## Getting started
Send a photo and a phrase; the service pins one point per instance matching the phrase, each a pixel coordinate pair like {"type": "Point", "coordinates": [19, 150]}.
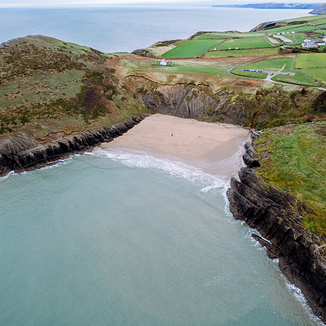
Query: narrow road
{"type": "Point", "coordinates": [269, 76]}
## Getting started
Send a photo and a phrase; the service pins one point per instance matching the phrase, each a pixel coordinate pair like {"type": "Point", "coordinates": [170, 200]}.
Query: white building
{"type": "Point", "coordinates": [163, 62]}
{"type": "Point", "coordinates": [309, 45]}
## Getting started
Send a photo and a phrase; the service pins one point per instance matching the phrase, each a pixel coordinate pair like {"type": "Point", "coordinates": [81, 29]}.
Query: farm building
{"type": "Point", "coordinates": [163, 62]}
{"type": "Point", "coordinates": [309, 45]}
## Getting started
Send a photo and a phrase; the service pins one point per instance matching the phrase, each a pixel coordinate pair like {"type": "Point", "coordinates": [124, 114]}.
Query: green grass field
{"type": "Point", "coordinates": [229, 35]}
{"type": "Point", "coordinates": [271, 64]}
{"type": "Point", "coordinates": [245, 43]}
{"type": "Point", "coordinates": [319, 74]}
{"type": "Point", "coordinates": [191, 49]}
{"type": "Point", "coordinates": [298, 79]}
{"type": "Point", "coordinates": [293, 28]}
{"type": "Point", "coordinates": [298, 165]}
{"type": "Point", "coordinates": [242, 53]}
{"type": "Point", "coordinates": [219, 70]}
{"type": "Point", "coordinates": [311, 60]}
{"type": "Point", "coordinates": [299, 36]}
{"type": "Point", "coordinates": [240, 72]}
{"type": "Point", "coordinates": [275, 65]}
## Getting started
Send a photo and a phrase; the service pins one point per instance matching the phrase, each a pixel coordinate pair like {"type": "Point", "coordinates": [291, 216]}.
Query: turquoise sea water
{"type": "Point", "coordinates": [124, 239]}
{"type": "Point", "coordinates": [130, 28]}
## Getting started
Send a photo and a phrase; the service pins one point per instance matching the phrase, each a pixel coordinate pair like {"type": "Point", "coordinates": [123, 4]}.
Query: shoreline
{"type": "Point", "coordinates": [276, 215]}
{"type": "Point", "coordinates": [214, 148]}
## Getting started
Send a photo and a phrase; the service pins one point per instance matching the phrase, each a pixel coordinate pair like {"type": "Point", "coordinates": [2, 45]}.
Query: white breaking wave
{"type": "Point", "coordinates": [49, 166]}
{"type": "Point", "coordinates": [298, 295]}
{"type": "Point", "coordinates": [174, 168]}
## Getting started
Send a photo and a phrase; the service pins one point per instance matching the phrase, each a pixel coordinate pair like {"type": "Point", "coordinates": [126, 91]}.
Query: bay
{"type": "Point", "coordinates": [126, 239]}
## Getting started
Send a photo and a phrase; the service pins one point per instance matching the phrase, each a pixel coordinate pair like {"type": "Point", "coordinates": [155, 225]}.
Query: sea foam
{"type": "Point", "coordinates": [174, 168]}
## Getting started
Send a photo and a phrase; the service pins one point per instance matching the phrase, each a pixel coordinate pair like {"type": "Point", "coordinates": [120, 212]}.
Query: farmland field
{"type": "Point", "coordinates": [242, 53]}
{"type": "Point", "coordinates": [298, 79]}
{"type": "Point", "coordinates": [297, 29]}
{"type": "Point", "coordinates": [271, 65]}
{"type": "Point", "coordinates": [319, 74]}
{"type": "Point", "coordinates": [311, 60]}
{"type": "Point", "coordinates": [245, 43]}
{"type": "Point", "coordinates": [191, 48]}
{"type": "Point", "coordinates": [228, 35]}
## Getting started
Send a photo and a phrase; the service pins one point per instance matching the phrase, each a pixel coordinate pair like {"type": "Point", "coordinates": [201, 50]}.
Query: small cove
{"type": "Point", "coordinates": [120, 241]}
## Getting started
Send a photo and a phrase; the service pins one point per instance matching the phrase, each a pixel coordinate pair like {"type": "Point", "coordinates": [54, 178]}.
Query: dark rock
{"type": "Point", "coordinates": [276, 215]}
{"type": "Point", "coordinates": [194, 102]}
{"type": "Point", "coordinates": [21, 153]}
{"type": "Point", "coordinates": [272, 252]}
{"type": "Point", "coordinates": [143, 53]}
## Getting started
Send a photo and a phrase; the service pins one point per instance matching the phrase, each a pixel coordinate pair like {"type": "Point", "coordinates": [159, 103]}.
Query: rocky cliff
{"type": "Point", "coordinates": [20, 152]}
{"type": "Point", "coordinates": [193, 101]}
{"type": "Point", "coordinates": [276, 215]}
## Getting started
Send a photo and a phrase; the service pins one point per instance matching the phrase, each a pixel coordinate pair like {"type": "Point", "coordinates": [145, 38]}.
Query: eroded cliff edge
{"type": "Point", "coordinates": [20, 152]}
{"type": "Point", "coordinates": [276, 215]}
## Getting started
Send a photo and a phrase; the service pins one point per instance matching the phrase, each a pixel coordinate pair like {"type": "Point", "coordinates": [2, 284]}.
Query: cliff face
{"type": "Point", "coordinates": [21, 152]}
{"type": "Point", "coordinates": [191, 101]}
{"type": "Point", "coordinates": [276, 215]}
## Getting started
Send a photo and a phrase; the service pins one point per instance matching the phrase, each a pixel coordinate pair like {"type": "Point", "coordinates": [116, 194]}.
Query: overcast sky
{"type": "Point", "coordinates": [77, 3]}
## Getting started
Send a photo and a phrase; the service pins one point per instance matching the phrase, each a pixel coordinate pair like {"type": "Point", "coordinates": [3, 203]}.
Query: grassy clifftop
{"type": "Point", "coordinates": [293, 158]}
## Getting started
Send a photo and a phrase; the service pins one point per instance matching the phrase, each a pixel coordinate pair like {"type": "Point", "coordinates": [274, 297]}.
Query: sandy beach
{"type": "Point", "coordinates": [215, 148]}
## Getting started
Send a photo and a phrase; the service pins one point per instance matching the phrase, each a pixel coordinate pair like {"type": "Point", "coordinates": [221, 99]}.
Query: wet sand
{"type": "Point", "coordinates": [215, 148]}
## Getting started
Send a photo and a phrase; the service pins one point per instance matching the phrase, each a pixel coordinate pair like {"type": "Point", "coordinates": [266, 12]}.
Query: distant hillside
{"type": "Point", "coordinates": [321, 10]}
{"type": "Point", "coordinates": [274, 5]}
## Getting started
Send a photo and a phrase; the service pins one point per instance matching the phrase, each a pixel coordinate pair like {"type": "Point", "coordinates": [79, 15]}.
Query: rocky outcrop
{"type": "Point", "coordinates": [321, 10]}
{"type": "Point", "coordinates": [193, 101]}
{"type": "Point", "coordinates": [143, 53]}
{"type": "Point", "coordinates": [20, 153]}
{"type": "Point", "coordinates": [276, 215]}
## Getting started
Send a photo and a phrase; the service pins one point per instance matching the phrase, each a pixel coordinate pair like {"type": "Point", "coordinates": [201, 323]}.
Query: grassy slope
{"type": "Point", "coordinates": [298, 165]}
{"type": "Point", "coordinates": [48, 86]}
{"type": "Point", "coordinates": [228, 35]}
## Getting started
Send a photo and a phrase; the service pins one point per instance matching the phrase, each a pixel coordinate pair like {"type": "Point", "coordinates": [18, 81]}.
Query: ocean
{"type": "Point", "coordinates": [129, 28]}
{"type": "Point", "coordinates": [119, 238]}
{"type": "Point", "coordinates": [116, 238]}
